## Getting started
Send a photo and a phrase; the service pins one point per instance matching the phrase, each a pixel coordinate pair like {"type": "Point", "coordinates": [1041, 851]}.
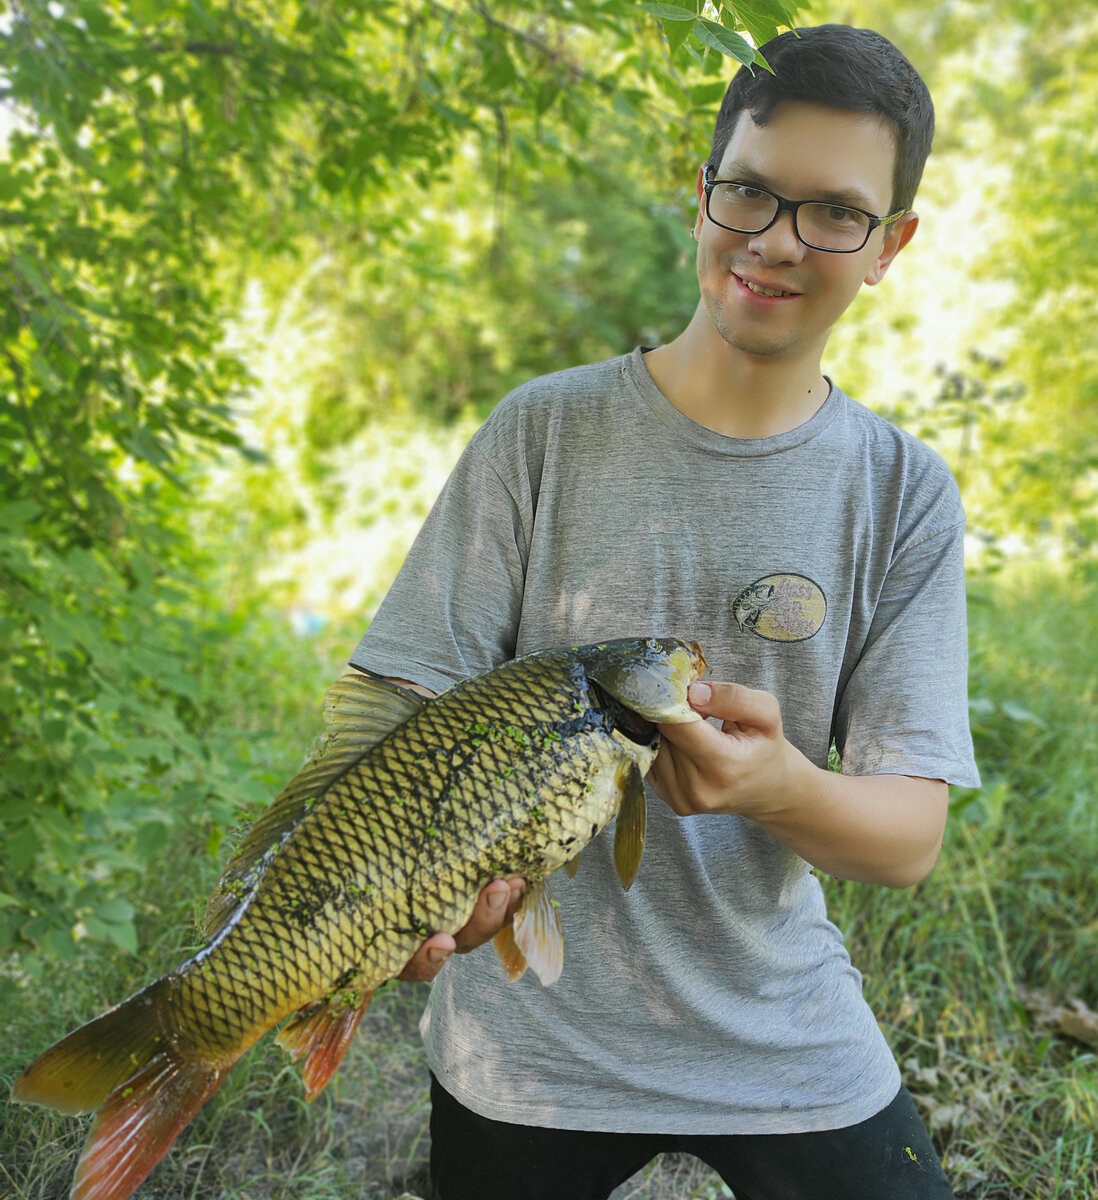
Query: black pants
{"type": "Point", "coordinates": [888, 1157]}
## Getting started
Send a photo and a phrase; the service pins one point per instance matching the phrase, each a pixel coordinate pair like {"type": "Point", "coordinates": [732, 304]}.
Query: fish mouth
{"type": "Point", "coordinates": [698, 657]}
{"type": "Point", "coordinates": [687, 665]}
{"type": "Point", "coordinates": [649, 676]}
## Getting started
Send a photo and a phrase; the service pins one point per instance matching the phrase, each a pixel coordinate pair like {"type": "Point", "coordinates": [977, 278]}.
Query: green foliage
{"type": "Point", "coordinates": [113, 706]}
{"type": "Point", "coordinates": [691, 31]}
{"type": "Point", "coordinates": [1051, 255]}
{"type": "Point", "coordinates": [156, 147]}
{"type": "Point", "coordinates": [973, 419]}
{"type": "Point", "coordinates": [1008, 911]}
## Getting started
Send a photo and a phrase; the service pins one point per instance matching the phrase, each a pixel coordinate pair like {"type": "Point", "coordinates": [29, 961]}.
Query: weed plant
{"type": "Point", "coordinates": [951, 968]}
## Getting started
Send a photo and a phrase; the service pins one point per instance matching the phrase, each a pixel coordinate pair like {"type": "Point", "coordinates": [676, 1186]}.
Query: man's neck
{"type": "Point", "coordinates": [732, 392]}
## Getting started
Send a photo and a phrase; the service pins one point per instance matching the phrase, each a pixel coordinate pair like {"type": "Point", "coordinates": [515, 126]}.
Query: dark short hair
{"type": "Point", "coordinates": [840, 67]}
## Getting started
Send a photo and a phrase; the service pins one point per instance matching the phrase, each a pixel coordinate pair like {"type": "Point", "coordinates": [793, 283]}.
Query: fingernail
{"type": "Point", "coordinates": [700, 693]}
{"type": "Point", "coordinates": [436, 956]}
{"type": "Point", "coordinates": [496, 900]}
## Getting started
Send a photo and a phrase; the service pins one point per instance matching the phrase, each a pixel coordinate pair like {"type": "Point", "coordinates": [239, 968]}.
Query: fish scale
{"type": "Point", "coordinates": [389, 833]}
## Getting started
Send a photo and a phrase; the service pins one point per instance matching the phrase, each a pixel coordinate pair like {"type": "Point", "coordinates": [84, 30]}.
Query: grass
{"type": "Point", "coordinates": [952, 967]}
{"type": "Point", "coordinates": [958, 971]}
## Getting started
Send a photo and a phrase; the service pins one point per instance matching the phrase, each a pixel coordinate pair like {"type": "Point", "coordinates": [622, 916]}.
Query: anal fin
{"type": "Point", "coordinates": [322, 1037]}
{"type": "Point", "coordinates": [537, 933]}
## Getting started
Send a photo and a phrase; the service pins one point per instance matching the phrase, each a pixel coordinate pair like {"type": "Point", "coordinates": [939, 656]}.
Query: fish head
{"type": "Point", "coordinates": [648, 676]}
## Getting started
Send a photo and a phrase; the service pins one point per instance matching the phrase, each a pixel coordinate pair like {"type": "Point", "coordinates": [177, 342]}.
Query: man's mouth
{"type": "Point", "coordinates": [759, 290]}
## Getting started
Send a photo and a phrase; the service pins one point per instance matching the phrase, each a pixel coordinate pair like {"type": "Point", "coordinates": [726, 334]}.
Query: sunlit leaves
{"type": "Point", "coordinates": [157, 150]}
{"type": "Point", "coordinates": [1008, 261]}
{"type": "Point", "coordinates": [709, 33]}
{"type": "Point", "coordinates": [719, 26]}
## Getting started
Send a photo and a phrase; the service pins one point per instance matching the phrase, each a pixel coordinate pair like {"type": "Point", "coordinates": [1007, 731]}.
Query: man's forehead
{"type": "Point", "coordinates": [809, 149]}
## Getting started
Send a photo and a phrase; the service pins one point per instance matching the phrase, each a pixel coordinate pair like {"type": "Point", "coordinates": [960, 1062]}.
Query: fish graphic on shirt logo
{"type": "Point", "coordinates": [783, 607]}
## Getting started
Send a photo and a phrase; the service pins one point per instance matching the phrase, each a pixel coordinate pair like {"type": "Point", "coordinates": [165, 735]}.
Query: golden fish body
{"type": "Point", "coordinates": [387, 835]}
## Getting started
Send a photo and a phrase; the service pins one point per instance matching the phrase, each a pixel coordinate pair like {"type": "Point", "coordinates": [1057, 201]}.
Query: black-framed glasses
{"type": "Point", "coordinates": [746, 208]}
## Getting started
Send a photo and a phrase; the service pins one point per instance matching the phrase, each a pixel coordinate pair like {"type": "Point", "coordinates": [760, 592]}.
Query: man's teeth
{"type": "Point", "coordinates": [763, 291]}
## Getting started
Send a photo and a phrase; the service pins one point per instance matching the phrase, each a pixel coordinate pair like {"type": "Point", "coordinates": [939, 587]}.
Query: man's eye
{"type": "Point", "coordinates": [839, 215]}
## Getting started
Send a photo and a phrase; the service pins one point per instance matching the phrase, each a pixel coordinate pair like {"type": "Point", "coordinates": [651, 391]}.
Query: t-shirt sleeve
{"type": "Point", "coordinates": [904, 708]}
{"type": "Point", "coordinates": [454, 608]}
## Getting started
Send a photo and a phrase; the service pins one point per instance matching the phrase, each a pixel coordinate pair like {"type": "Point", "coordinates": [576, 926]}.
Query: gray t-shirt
{"type": "Point", "coordinates": [824, 565]}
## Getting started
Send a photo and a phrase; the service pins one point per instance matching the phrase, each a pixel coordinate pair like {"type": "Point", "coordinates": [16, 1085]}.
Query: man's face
{"type": "Point", "coordinates": [804, 152]}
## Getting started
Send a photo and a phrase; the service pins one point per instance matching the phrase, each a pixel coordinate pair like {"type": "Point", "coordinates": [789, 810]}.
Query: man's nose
{"type": "Point", "coordinates": [779, 243]}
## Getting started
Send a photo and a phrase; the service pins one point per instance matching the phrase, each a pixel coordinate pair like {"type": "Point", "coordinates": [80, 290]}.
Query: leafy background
{"type": "Point", "coordinates": [267, 265]}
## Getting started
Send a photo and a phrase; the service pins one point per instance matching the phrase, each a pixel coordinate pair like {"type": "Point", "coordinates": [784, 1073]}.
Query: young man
{"type": "Point", "coordinates": [718, 488]}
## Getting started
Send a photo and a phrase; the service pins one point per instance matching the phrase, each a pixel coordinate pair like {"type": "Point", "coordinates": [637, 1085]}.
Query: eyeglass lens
{"type": "Point", "coordinates": [825, 226]}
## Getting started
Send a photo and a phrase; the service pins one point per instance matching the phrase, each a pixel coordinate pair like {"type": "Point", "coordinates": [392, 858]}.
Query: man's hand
{"type": "Point", "coordinates": [495, 907]}
{"type": "Point", "coordinates": [742, 767]}
{"type": "Point", "coordinates": [874, 828]}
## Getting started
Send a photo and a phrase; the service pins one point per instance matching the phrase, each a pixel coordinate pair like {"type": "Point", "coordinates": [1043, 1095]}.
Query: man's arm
{"type": "Point", "coordinates": [884, 829]}
{"type": "Point", "coordinates": [495, 907]}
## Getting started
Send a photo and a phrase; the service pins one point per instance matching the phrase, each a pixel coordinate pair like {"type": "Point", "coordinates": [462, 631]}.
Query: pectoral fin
{"type": "Point", "coordinates": [536, 936]}
{"type": "Point", "coordinates": [629, 830]}
{"type": "Point", "coordinates": [573, 865]}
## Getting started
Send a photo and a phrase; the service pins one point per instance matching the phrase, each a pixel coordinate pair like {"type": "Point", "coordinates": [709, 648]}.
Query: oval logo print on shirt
{"type": "Point", "coordinates": [781, 608]}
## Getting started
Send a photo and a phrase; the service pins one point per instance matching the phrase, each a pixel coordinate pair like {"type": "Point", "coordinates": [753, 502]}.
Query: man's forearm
{"type": "Point", "coordinates": [874, 828]}
{"type": "Point", "coordinates": [884, 829]}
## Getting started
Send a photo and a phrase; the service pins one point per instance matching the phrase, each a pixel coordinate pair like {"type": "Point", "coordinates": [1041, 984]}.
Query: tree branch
{"type": "Point", "coordinates": [539, 44]}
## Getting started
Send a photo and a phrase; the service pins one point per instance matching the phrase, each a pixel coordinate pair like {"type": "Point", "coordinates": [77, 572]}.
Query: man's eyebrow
{"type": "Point", "coordinates": [849, 197]}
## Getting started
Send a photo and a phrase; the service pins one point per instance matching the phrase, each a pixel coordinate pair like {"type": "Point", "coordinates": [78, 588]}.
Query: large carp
{"type": "Point", "coordinates": [388, 834]}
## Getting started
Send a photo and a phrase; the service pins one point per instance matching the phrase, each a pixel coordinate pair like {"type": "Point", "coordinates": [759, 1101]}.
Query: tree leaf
{"type": "Point", "coordinates": [124, 936]}
{"type": "Point", "coordinates": [670, 12]}
{"type": "Point", "coordinates": [760, 18]}
{"type": "Point", "coordinates": [676, 33]}
{"type": "Point", "coordinates": [711, 34]}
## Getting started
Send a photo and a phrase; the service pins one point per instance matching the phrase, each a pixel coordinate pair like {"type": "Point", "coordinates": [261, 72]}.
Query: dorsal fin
{"type": "Point", "coordinates": [368, 708]}
{"type": "Point", "coordinates": [359, 711]}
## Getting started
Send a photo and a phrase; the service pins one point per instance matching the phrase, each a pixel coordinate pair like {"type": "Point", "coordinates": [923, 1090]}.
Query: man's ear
{"type": "Point", "coordinates": [899, 234]}
{"type": "Point", "coordinates": [700, 190]}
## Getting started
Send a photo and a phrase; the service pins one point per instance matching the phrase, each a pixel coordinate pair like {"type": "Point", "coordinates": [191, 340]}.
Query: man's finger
{"type": "Point", "coordinates": [429, 959]}
{"type": "Point", "coordinates": [735, 704]}
{"type": "Point", "coordinates": [495, 906]}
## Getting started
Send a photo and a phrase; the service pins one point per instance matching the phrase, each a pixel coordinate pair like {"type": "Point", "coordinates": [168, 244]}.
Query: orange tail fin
{"type": "Point", "coordinates": [137, 1125]}
{"type": "Point", "coordinates": [124, 1065]}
